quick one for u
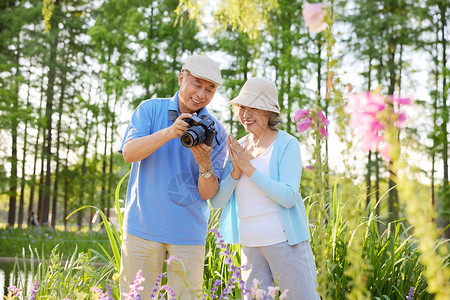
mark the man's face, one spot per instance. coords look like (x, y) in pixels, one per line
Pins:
(195, 93)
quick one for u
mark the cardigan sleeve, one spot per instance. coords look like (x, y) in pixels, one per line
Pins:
(285, 191)
(226, 187)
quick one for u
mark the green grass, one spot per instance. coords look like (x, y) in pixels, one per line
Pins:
(13, 240)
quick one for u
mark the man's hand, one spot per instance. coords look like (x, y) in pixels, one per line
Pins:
(178, 127)
(207, 187)
(202, 154)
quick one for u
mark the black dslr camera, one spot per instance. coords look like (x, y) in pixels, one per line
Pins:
(199, 131)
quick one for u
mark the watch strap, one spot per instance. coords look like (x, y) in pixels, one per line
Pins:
(207, 174)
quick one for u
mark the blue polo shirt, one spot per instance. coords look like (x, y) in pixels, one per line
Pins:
(163, 203)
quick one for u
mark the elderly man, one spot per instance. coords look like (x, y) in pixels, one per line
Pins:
(166, 212)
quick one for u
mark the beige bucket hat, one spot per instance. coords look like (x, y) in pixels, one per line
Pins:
(258, 92)
(203, 67)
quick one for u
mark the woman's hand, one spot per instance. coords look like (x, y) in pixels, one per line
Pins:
(240, 159)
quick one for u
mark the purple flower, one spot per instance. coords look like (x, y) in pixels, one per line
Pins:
(227, 260)
(101, 295)
(410, 294)
(170, 292)
(34, 290)
(14, 292)
(154, 294)
(135, 287)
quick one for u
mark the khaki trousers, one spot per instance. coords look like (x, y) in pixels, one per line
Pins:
(185, 276)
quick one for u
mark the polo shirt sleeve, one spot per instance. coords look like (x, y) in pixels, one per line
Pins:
(140, 124)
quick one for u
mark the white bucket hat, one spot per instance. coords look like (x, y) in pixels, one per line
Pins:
(258, 93)
(203, 67)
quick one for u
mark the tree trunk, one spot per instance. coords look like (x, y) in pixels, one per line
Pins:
(24, 159)
(49, 114)
(393, 172)
(41, 181)
(58, 145)
(14, 159)
(36, 156)
(445, 118)
(369, 157)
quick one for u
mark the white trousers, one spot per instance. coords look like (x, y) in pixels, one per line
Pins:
(184, 278)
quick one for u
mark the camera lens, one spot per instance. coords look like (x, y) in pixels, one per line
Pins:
(188, 140)
(194, 136)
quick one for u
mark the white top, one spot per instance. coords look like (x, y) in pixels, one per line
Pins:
(260, 223)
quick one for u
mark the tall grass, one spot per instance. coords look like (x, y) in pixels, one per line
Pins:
(355, 260)
(352, 254)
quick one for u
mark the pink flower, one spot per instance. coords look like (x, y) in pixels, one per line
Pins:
(171, 259)
(254, 287)
(370, 115)
(400, 100)
(14, 291)
(301, 114)
(370, 141)
(367, 102)
(284, 294)
(306, 118)
(259, 294)
(384, 150)
(365, 122)
(323, 119)
(272, 291)
(304, 124)
(323, 131)
(314, 14)
(401, 120)
(309, 167)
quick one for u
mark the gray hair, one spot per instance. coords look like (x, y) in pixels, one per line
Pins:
(274, 119)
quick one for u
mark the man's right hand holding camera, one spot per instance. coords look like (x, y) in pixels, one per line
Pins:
(178, 127)
(141, 148)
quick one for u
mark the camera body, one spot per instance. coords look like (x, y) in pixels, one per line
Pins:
(199, 131)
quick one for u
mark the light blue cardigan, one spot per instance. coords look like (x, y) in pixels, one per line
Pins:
(282, 186)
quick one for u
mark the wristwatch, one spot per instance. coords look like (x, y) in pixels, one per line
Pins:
(207, 174)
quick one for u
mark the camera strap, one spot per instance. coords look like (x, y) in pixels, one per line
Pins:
(173, 115)
(215, 136)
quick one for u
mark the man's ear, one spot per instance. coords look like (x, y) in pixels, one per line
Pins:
(180, 79)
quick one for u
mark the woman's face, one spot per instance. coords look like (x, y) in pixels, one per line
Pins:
(255, 121)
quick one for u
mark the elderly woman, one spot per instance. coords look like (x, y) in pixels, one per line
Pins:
(263, 209)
